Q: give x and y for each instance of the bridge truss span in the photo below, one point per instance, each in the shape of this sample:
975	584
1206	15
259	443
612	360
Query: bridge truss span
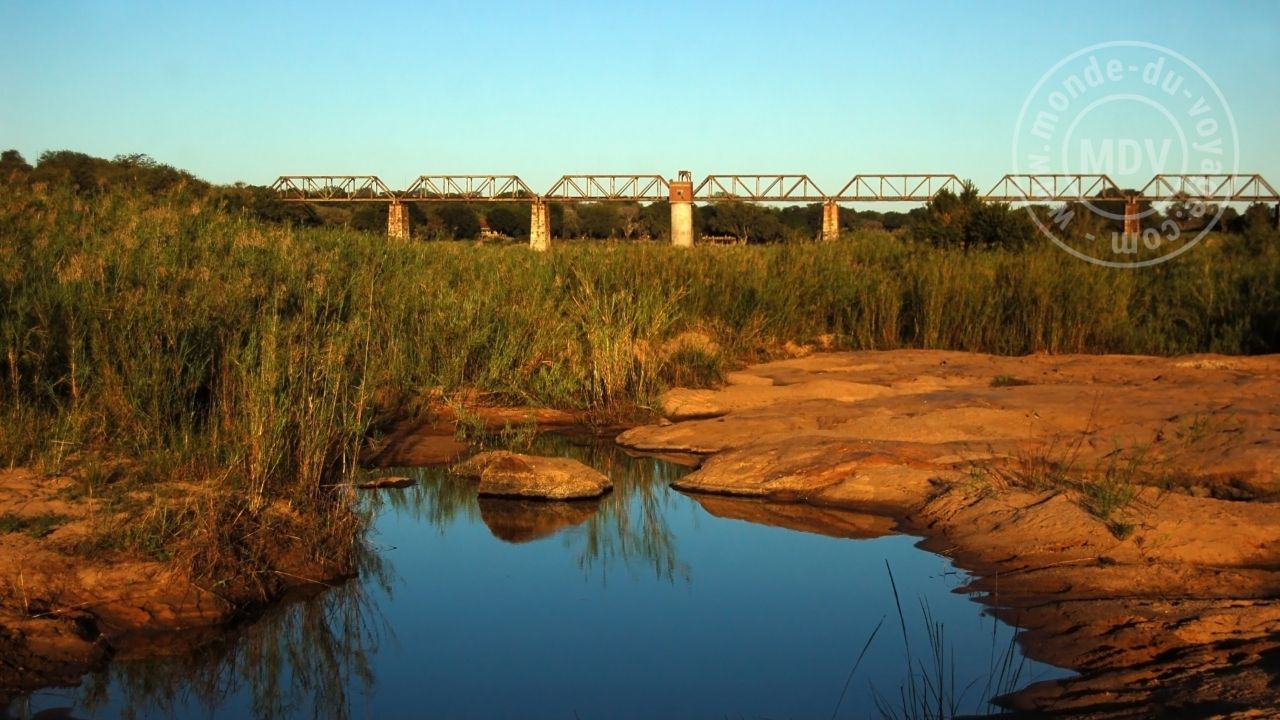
1053	187
468	188
1218	188
881	187
333	188
759	188
602	188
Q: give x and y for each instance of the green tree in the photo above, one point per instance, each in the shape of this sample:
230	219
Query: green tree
1256	217
732	217
599	220
805	221
506	219
13	167
459	221
627	220
655	220
88	174
966	220
80	170
1190	213
144	172
565	221
369	217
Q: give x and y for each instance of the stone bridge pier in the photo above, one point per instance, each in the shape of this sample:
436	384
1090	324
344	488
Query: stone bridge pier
830	220
398	221
1132	222
682	209
539	226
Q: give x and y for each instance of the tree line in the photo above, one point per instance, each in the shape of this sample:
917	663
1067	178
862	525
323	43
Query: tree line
960	219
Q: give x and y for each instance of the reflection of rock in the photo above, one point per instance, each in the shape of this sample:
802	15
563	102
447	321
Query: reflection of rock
415	444
681	459
387	483
51	650
521	521
507	474
793	516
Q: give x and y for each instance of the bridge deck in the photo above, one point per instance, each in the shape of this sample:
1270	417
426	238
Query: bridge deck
775	188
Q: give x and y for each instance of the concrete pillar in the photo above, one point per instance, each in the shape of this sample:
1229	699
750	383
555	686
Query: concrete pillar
830	220
1132	223
682	209
539	226
398	221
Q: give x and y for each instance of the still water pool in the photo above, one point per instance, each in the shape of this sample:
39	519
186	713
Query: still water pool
642	605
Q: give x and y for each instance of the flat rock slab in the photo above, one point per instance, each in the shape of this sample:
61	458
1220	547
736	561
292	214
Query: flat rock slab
889	477
1212	418
392	482
506	474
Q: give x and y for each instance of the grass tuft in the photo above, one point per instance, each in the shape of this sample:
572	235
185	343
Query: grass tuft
36	526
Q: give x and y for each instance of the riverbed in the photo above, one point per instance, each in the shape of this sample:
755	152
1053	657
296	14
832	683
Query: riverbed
647	603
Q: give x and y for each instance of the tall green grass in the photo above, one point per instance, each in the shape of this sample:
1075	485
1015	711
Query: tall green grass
195	345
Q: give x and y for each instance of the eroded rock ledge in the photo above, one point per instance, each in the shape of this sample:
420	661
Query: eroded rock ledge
1120	509
64	611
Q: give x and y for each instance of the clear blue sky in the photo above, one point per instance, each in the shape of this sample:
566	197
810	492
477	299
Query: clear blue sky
250	90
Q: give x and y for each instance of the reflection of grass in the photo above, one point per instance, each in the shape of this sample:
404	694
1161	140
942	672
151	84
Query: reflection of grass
307	657
1008	381
470	427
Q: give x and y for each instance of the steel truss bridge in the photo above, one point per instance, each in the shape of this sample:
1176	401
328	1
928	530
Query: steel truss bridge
682	193
774	188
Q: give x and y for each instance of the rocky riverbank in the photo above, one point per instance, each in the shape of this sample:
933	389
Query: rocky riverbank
1120	509
69	602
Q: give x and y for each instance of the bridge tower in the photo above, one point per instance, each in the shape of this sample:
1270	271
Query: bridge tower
1132	222
539	226
682	209
398	221
830	220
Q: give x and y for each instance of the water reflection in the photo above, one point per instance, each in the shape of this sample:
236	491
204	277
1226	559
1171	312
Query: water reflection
514	608
304	657
631	526
522	521
798	517
626	527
